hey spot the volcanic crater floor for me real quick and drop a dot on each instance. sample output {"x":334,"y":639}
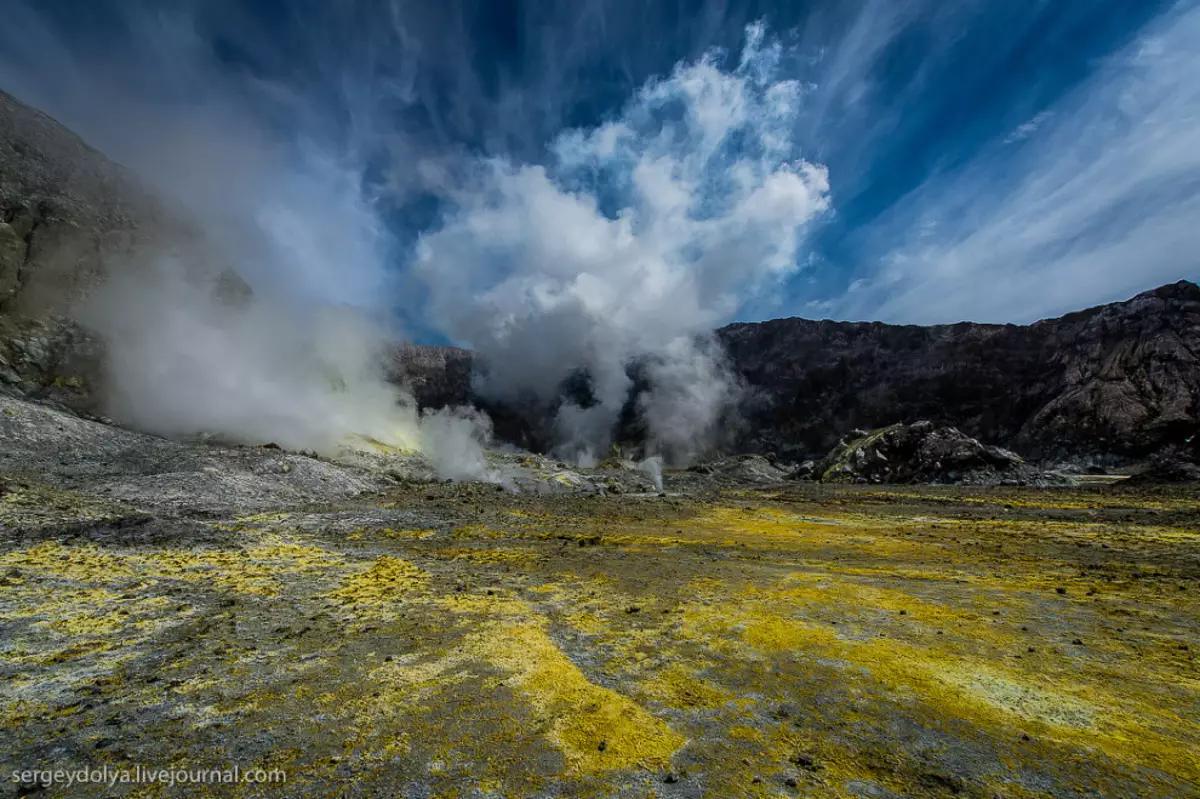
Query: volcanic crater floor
{"x":437,"y":640}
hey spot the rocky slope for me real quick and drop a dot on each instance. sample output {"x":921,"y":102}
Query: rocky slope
{"x":1120,"y":380}
{"x":69,"y":217}
{"x":202,"y":606}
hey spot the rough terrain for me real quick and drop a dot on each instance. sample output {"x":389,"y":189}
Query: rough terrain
{"x":374,"y":633}
{"x":1115,"y":382}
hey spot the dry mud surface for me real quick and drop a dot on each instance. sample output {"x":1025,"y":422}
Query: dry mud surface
{"x":426,"y":640}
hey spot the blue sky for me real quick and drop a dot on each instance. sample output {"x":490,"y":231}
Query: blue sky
{"x":984,"y":160}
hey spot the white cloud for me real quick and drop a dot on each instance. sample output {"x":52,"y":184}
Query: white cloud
{"x":1101,"y":204}
{"x":1027,"y":129}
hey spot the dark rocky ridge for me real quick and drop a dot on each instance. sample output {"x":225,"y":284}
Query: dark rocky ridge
{"x":1119,"y":380}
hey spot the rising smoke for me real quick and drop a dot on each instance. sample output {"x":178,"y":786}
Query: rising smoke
{"x":636,"y":240}
{"x":182,"y":360}
{"x":298,"y":354}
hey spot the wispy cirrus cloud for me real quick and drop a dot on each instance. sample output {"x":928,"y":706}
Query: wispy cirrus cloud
{"x":1027,"y":129}
{"x":1099,"y":202}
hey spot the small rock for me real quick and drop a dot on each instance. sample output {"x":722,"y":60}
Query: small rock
{"x":805,"y":761}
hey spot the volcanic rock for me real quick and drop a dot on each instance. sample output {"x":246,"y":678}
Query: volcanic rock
{"x":918,"y":452}
{"x":70,"y":217}
{"x":1119,"y":380}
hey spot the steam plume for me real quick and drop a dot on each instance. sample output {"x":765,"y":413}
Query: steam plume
{"x":637,"y":237}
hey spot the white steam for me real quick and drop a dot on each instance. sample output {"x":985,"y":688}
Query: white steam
{"x":640,"y":235}
{"x":181,"y":360}
{"x":623,"y":251}
{"x":652,"y":467}
{"x":184,"y":358}
{"x":693,"y":391}
{"x":453,"y":440}
{"x":301,"y":361}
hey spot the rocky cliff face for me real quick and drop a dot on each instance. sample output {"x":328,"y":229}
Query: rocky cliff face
{"x":1120,"y":380}
{"x":69,"y":217}
{"x":68,"y":214}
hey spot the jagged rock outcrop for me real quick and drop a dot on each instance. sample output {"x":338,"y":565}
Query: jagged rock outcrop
{"x":63,"y":206}
{"x":1120,"y":380}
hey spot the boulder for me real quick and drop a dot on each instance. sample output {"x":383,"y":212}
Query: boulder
{"x":741,"y":469}
{"x":1179,"y":464}
{"x":911,"y":453}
